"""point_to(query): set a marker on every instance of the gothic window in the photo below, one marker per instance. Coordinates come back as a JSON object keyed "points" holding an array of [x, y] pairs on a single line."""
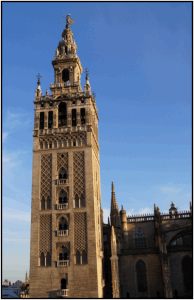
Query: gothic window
{"points": [[50, 119], [84, 257], [65, 73], [42, 120], [41, 145], [83, 116], [62, 114], [73, 117], [60, 256], [48, 259], [187, 264], [42, 260], [43, 204], [140, 238], [76, 201], [77, 258], [63, 284], [63, 197], [141, 276], [63, 174], [182, 239]]}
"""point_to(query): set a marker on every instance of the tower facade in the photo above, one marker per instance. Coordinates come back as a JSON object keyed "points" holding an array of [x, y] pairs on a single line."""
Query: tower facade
{"points": [[66, 219]]}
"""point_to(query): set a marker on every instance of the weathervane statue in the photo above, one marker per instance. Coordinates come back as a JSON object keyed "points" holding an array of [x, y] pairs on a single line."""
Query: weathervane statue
{"points": [[69, 20]]}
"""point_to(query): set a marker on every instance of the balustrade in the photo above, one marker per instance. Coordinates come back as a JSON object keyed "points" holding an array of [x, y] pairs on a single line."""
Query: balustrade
{"points": [[64, 293], [62, 181], [62, 205], [62, 263], [62, 232]]}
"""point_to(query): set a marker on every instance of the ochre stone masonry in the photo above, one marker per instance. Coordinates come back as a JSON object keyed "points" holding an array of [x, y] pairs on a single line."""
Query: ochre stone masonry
{"points": [[66, 254], [72, 253]]}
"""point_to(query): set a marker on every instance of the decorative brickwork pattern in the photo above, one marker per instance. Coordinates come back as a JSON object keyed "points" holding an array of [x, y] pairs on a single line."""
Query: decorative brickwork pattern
{"points": [[78, 173], [65, 140], [62, 161], [45, 234], [46, 166], [80, 232]]}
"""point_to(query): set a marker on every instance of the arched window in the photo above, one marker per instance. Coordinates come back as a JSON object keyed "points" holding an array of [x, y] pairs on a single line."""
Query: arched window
{"points": [[140, 238], [42, 260], [62, 114], [63, 197], [63, 224], [65, 256], [48, 203], [63, 284], [187, 264], [43, 204], [76, 201], [77, 258], [48, 259], [63, 174], [141, 276], [65, 74], [60, 256], [82, 201], [84, 257]]}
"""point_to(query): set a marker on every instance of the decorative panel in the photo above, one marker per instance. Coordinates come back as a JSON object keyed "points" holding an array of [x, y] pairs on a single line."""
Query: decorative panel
{"points": [[80, 231], [46, 175], [78, 174], [45, 234]]}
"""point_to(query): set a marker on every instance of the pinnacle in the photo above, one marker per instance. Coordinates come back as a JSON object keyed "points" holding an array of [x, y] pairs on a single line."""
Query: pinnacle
{"points": [[114, 206]]}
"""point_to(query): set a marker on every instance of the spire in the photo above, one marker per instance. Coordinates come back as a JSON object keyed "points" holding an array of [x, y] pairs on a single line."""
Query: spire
{"points": [[114, 206]]}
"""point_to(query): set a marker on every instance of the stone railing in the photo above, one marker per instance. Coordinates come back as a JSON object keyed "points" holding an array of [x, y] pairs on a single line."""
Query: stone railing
{"points": [[63, 84], [62, 205], [65, 56], [64, 293], [62, 232], [62, 181], [140, 218], [62, 263], [59, 130], [164, 216], [178, 215]]}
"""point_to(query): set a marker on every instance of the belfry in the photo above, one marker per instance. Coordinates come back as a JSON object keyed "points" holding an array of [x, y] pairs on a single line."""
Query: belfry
{"points": [[66, 218]]}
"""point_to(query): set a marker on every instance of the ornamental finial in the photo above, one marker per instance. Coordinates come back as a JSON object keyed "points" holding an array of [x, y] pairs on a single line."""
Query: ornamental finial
{"points": [[38, 78], [87, 73]]}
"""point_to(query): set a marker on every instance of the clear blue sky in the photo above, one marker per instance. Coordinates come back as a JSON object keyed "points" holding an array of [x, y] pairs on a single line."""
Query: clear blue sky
{"points": [[139, 57]]}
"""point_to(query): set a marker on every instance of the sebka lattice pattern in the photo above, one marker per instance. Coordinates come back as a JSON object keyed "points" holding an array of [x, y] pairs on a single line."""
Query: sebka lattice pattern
{"points": [[45, 234], [62, 161], [78, 173], [80, 232], [46, 168]]}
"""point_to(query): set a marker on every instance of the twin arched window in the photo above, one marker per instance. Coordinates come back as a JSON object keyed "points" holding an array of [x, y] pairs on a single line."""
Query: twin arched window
{"points": [[63, 174], [63, 224], [63, 197], [79, 202], [45, 261], [140, 238], [81, 258]]}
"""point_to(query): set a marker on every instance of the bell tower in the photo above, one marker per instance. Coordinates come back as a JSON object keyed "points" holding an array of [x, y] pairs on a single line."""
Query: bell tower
{"points": [[66, 216]]}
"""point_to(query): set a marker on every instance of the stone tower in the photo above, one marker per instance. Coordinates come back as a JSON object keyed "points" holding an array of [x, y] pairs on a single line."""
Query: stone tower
{"points": [[66, 221]]}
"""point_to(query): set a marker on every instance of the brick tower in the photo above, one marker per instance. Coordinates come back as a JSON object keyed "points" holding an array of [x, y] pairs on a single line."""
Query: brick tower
{"points": [[66, 221]]}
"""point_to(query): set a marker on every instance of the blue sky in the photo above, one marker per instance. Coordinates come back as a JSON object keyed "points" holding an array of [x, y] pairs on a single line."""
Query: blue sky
{"points": [[139, 57]]}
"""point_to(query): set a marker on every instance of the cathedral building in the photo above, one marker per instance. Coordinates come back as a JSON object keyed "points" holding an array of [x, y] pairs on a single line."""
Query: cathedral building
{"points": [[72, 253]]}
